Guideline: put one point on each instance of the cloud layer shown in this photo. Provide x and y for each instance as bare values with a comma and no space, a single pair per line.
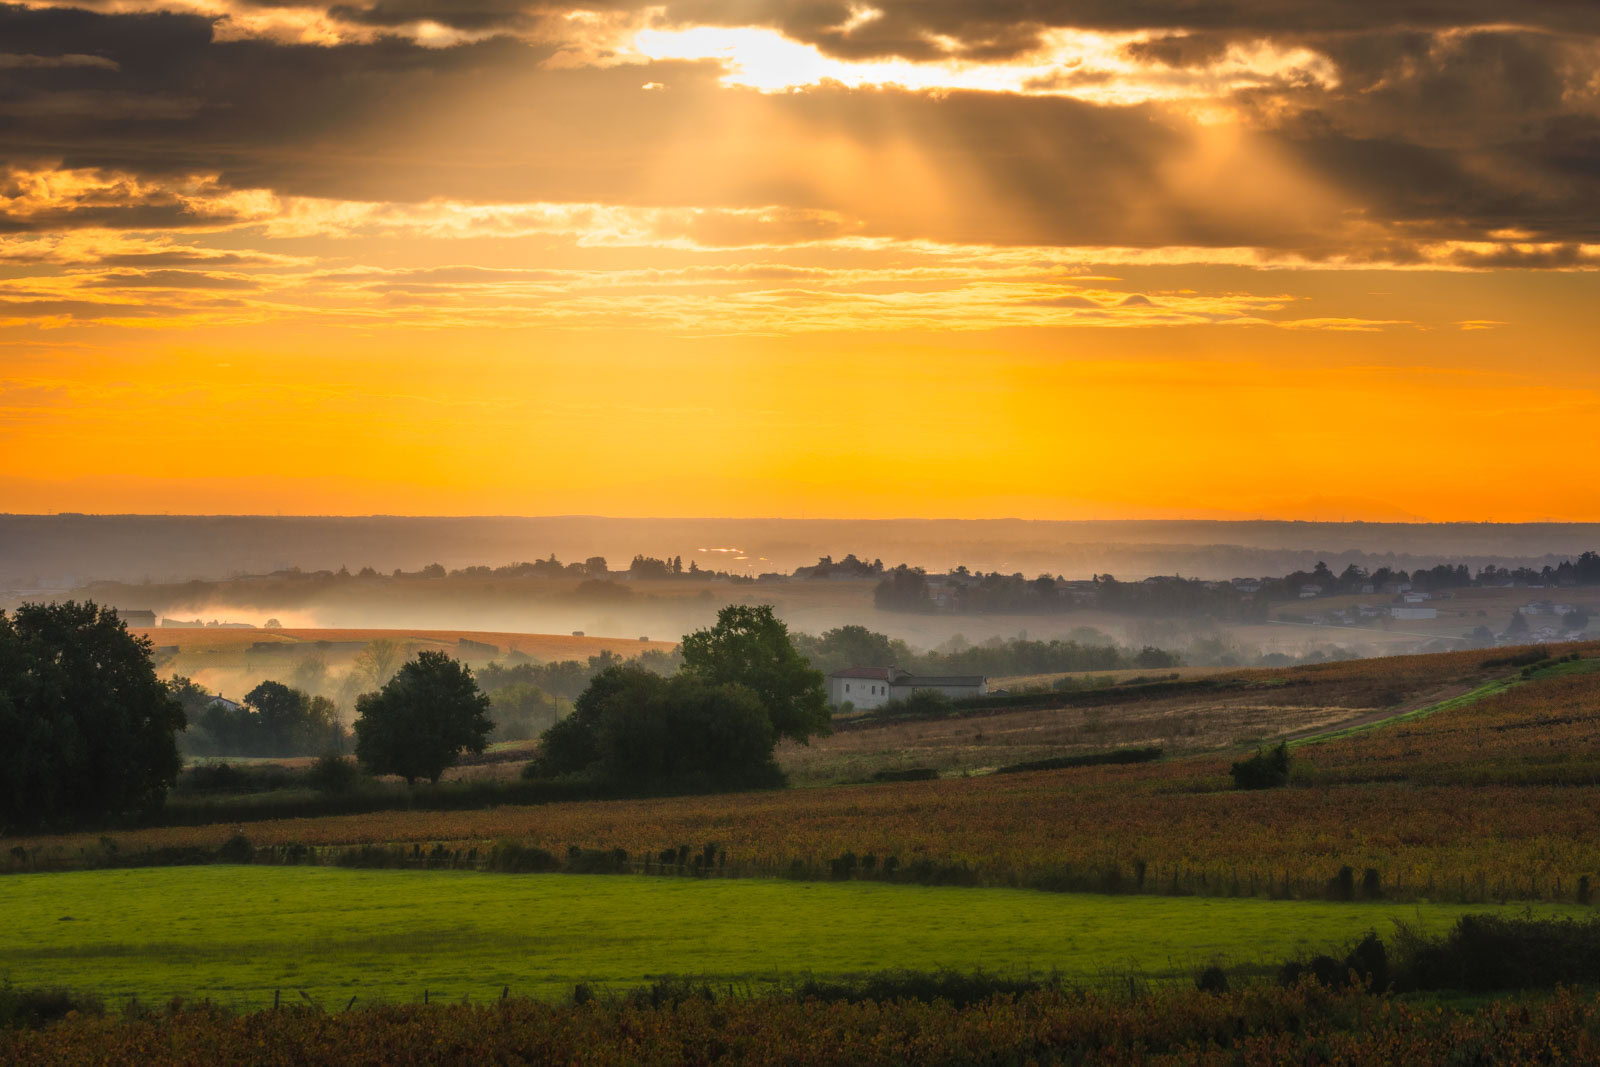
776,166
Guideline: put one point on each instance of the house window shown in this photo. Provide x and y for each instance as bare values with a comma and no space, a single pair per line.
847,687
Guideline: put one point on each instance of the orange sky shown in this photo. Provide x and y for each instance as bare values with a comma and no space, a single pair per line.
633,262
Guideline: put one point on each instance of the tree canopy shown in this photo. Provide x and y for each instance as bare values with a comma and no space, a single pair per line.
633,727
273,720
750,646
422,719
87,730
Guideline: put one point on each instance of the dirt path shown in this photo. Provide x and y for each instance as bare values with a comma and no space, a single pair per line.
1439,696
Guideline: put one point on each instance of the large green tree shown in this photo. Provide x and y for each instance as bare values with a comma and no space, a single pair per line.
750,646
421,721
635,728
87,730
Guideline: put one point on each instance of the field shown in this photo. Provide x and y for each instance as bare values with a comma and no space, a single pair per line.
544,647
1486,799
1421,789
235,934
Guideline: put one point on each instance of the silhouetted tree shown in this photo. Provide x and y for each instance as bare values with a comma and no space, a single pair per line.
87,730
632,727
750,646
420,722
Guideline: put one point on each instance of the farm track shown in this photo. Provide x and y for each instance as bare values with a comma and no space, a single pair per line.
1450,692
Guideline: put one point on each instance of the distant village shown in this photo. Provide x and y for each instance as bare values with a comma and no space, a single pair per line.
1353,597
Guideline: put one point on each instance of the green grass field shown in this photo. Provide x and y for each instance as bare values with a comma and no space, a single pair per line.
235,934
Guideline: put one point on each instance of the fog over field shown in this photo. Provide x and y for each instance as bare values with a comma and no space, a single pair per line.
63,551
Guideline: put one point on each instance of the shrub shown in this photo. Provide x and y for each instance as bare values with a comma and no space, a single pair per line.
1212,980
334,774
907,774
1367,964
32,1008
513,858
1091,759
236,849
921,704
1264,770
958,988
1488,952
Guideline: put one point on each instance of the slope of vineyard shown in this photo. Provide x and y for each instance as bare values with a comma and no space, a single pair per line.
1251,1026
1485,799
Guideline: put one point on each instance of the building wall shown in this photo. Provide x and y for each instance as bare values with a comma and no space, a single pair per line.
863,693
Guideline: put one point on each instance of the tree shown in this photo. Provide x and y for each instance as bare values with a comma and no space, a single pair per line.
750,646
635,728
421,720
377,660
87,730
292,723
1264,770
852,646
904,589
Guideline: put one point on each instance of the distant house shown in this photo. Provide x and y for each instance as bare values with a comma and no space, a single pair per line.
1309,590
139,619
1407,612
1414,597
1247,585
873,687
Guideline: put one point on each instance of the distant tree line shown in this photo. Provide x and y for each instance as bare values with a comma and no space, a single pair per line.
959,591
857,646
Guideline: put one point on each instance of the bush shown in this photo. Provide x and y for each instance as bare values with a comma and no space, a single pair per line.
1091,759
1489,952
1535,654
1264,770
921,704
1212,980
1366,964
236,849
958,988
512,858
32,1008
907,774
202,778
334,774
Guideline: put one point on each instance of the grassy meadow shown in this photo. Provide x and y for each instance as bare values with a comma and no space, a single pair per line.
235,934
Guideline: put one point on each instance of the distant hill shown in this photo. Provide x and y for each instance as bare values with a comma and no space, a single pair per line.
62,551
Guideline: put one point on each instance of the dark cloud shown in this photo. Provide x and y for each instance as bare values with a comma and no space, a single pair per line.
1181,50
1426,136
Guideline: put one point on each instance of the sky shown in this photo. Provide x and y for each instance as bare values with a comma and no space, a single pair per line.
944,258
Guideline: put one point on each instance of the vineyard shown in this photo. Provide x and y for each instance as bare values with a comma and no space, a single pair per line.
1255,1026
1490,798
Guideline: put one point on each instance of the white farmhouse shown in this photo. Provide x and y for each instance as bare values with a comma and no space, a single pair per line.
872,687
1400,612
